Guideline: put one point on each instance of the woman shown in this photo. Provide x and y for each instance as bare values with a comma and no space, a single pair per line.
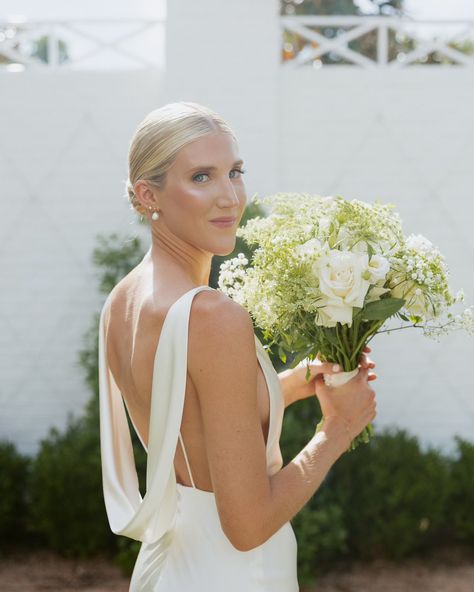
199,387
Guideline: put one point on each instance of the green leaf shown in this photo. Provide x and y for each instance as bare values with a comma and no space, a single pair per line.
301,356
282,354
382,309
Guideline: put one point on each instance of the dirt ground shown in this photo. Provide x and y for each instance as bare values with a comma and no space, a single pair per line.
447,571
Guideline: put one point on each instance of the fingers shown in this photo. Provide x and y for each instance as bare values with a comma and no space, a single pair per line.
324,368
367,349
366,362
319,383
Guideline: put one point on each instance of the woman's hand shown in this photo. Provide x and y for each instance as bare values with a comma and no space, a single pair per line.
353,402
296,387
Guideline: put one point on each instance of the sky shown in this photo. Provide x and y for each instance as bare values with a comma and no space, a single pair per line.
435,9
58,9
44,9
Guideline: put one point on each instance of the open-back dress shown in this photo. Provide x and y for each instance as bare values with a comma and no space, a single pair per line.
184,548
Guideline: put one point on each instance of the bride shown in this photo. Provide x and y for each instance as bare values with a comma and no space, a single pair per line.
200,390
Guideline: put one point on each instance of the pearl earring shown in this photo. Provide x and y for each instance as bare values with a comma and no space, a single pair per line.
155,214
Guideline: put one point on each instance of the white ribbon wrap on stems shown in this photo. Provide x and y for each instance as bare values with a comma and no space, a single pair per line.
340,378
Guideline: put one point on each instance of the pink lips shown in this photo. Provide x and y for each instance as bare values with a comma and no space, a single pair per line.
224,222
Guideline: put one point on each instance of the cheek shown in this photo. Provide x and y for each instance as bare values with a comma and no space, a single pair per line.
192,198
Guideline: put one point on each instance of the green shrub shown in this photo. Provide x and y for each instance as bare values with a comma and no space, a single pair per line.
13,495
67,505
460,505
393,496
321,535
127,554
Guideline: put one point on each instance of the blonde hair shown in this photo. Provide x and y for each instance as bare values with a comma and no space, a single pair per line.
158,139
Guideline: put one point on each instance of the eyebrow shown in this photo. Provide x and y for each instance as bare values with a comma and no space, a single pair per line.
211,168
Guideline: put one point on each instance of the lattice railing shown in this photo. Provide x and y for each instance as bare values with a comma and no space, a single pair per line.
78,44
366,41
375,41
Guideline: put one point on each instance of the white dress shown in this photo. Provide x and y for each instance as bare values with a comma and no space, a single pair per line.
183,545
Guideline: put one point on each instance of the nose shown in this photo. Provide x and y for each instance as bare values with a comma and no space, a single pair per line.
227,193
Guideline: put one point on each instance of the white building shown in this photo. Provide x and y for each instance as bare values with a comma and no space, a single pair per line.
400,132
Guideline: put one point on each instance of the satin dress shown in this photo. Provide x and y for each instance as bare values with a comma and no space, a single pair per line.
183,545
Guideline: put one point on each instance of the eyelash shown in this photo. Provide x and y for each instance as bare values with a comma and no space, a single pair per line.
241,171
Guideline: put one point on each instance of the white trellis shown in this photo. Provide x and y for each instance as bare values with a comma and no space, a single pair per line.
319,45
17,39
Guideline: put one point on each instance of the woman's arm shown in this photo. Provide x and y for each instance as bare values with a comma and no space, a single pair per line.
222,363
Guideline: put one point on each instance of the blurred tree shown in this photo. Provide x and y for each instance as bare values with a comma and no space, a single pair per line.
366,45
22,40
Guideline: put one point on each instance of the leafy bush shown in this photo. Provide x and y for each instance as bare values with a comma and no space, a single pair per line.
393,496
386,499
13,495
126,555
321,534
67,507
460,504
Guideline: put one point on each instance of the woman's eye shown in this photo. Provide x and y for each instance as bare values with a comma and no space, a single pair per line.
241,171
200,175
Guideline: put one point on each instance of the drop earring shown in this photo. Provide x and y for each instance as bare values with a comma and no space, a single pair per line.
155,214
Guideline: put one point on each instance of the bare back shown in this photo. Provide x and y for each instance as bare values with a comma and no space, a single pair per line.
133,331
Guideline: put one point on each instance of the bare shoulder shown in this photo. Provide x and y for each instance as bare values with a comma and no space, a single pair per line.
216,321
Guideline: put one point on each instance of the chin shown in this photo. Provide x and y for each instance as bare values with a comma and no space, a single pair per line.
223,252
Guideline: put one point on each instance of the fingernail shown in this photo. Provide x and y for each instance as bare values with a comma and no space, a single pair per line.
336,368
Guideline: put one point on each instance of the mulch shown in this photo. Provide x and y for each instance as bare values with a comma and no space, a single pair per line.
448,570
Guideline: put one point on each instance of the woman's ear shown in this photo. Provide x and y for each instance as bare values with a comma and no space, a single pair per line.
145,195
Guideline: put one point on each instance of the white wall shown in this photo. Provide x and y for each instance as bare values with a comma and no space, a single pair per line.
403,136
62,168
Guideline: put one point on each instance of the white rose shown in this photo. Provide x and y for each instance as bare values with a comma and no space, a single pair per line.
341,283
415,300
378,268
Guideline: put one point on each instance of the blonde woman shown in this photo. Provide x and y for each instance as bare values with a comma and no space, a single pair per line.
200,390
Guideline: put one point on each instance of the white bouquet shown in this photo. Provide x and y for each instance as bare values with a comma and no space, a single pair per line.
327,273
